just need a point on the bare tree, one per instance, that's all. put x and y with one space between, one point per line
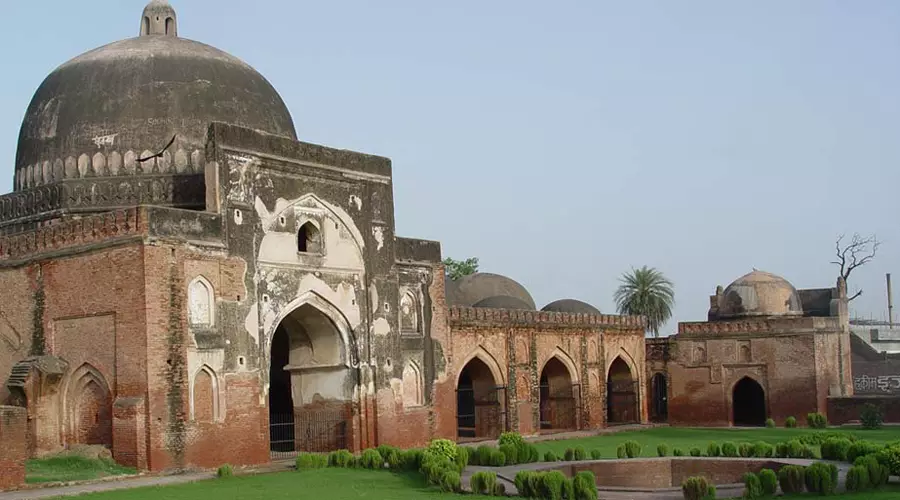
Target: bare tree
859 251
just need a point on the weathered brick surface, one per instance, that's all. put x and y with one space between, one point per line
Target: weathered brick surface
843 410
13 451
667 472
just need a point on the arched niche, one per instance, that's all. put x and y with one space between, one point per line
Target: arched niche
88 407
204 402
201 303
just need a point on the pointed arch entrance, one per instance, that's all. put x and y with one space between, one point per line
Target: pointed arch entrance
621 394
659 398
558 398
480 402
748 404
310 381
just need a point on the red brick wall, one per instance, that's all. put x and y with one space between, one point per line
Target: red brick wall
667 472
14 450
847 409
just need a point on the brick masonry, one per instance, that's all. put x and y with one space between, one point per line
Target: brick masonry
13 452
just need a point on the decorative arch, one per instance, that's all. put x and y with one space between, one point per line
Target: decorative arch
559 392
413 395
204 402
481 353
344 221
622 389
309 237
566 360
88 407
201 302
409 312
749 405
340 321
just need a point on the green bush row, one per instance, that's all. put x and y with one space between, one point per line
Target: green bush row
763 484
818 478
485 483
698 488
554 485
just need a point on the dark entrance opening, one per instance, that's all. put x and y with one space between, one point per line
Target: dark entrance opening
749 403
558 404
621 394
659 411
479 407
281 402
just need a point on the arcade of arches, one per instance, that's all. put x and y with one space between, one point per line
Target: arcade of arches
558 397
622 394
479 402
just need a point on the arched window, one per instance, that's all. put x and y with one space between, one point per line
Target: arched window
309 239
412 386
204 402
145 30
170 26
409 313
201 302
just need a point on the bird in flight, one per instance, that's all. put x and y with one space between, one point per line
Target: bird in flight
158 155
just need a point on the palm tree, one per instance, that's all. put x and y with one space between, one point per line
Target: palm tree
646 292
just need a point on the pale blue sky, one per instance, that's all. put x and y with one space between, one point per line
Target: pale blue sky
565 142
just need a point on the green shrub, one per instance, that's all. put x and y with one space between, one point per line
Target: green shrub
662 450
390 454
729 449
462 457
433 466
857 478
871 416
889 456
769 482
752 486
877 473
792 479
596 454
821 478
770 423
781 450
511 454
340 458
410 460
763 450
550 457
620 451
695 452
835 449
528 453
311 461
796 449
745 449
569 488
443 447
569 455
816 421
552 485
861 449
713 450
585 486
499 490
814 438
450 481
523 483
224 471
697 488
710 492
497 459
483 454
632 449
790 422
580 453
511 438
483 483
371 459
677 452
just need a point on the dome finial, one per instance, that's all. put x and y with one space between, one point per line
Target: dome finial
159 19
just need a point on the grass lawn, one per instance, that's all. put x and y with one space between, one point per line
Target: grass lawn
322 484
72 468
889 493
686 438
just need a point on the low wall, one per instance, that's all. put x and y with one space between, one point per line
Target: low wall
13 450
843 410
657 473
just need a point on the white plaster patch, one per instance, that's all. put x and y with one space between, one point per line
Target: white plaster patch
373 298
356 200
238 217
381 327
343 298
378 233
251 323
397 389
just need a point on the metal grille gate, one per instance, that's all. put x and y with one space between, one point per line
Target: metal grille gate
560 411
317 431
621 402
485 418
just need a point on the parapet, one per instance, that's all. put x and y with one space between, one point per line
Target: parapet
458 315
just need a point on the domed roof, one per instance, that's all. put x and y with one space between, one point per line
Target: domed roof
134 96
571 306
759 294
472 289
503 302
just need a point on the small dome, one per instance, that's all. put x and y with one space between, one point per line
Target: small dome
572 306
759 294
503 302
472 289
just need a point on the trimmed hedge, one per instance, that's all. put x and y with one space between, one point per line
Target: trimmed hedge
306 461
816 421
769 482
713 450
790 422
483 483
821 478
225 471
752 486
792 479
697 488
662 450
729 449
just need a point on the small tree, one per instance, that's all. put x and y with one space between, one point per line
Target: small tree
456 269
858 252
646 292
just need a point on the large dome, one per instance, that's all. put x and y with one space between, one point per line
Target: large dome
475 288
759 294
133 96
572 306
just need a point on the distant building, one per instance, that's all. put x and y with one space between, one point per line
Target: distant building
881 335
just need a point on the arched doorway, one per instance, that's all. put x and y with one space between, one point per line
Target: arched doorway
479 402
310 384
621 394
558 404
748 403
659 411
